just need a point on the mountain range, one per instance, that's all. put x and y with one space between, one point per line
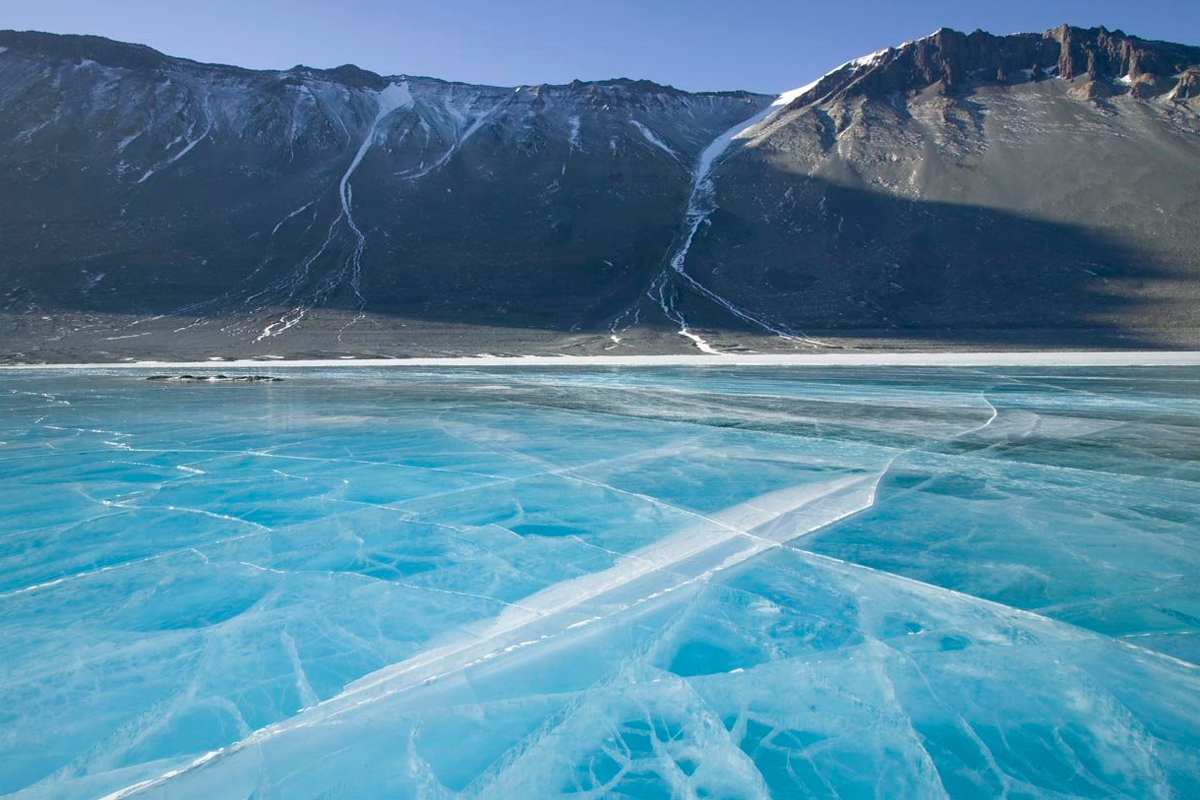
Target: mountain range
961 191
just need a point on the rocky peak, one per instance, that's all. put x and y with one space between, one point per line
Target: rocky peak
1098 60
349 75
1100 53
1188 86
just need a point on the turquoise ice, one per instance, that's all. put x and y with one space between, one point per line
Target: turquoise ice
690 582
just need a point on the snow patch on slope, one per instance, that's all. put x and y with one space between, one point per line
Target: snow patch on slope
396 95
190 142
573 136
393 97
654 140
458 116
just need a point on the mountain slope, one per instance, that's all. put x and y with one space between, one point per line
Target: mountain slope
959 184
977 190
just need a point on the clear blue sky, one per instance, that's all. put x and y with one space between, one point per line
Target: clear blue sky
763 45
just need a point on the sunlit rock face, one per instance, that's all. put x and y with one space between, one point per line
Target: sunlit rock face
729 582
973 181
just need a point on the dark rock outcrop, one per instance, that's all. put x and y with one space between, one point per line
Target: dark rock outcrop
955 61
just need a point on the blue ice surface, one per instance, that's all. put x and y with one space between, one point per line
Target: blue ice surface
691 582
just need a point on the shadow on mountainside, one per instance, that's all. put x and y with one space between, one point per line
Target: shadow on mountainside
850 263
869 265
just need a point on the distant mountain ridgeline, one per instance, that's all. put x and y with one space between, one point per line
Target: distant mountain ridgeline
1034 188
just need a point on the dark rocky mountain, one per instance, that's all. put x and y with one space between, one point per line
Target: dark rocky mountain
960 190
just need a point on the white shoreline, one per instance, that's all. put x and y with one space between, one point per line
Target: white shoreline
1063 358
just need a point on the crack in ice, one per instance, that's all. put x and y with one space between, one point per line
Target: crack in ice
817 506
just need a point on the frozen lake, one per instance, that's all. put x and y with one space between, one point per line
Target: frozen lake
728 582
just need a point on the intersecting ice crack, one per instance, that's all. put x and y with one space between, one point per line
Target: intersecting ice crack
511 631
883 680
546 470
554 601
1007 420
307 696
457 593
126 564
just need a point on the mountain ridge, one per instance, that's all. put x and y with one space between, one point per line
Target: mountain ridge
366 214
131 55
1080 43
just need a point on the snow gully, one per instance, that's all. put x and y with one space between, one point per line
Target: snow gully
700 207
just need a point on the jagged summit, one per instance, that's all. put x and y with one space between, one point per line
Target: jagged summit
1101 62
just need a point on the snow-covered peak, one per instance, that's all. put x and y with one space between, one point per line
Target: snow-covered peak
921 39
869 60
787 98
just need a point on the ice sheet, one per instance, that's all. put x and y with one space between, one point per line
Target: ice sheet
739 581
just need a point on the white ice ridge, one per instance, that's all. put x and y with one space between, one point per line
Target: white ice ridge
715 543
